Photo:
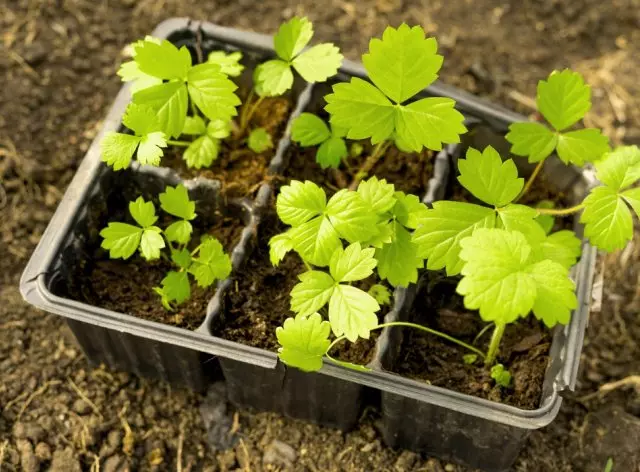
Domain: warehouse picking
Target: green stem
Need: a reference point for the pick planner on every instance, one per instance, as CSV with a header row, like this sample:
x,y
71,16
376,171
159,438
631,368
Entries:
x,y
481,333
369,163
532,177
306,264
494,345
178,143
252,110
561,211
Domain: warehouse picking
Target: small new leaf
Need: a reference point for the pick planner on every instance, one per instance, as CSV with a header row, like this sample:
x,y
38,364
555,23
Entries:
x,y
309,130
398,261
292,37
381,294
409,210
194,125
260,140
181,258
501,375
279,246
211,264
179,232
175,287
175,201
331,152
229,62
202,152
469,358
304,342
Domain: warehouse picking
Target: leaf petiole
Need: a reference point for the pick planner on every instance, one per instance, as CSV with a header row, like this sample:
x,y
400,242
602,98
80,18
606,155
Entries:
x,y
560,211
369,163
494,344
481,333
178,143
531,179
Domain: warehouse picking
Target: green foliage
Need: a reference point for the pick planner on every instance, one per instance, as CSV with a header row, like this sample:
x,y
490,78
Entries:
x,y
259,140
381,294
309,130
229,62
316,64
563,99
211,263
469,358
304,341
501,375
378,111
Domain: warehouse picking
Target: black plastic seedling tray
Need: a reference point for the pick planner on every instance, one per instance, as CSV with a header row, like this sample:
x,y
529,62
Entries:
x,y
470,430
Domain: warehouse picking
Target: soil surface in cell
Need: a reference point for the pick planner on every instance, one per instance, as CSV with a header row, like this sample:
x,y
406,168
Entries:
x,y
258,300
240,169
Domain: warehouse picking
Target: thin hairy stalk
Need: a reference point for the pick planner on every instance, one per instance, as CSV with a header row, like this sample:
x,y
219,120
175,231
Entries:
x,y
494,345
560,211
531,179
481,333
178,143
369,163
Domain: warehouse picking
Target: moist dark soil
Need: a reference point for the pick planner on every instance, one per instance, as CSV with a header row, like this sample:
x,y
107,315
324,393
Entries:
x,y
524,349
238,168
409,172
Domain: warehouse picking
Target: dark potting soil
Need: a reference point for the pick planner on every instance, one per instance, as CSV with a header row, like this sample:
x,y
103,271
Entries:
x,y
524,349
127,286
240,170
259,300
409,172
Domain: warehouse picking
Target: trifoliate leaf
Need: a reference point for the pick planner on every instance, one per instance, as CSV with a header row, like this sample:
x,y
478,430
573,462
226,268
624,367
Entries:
x,y
377,194
381,294
181,258
562,247
211,264
219,129
522,218
130,72
163,60
298,202
488,178
279,246
229,62
292,37
352,312
179,232
353,263
547,222
259,140
316,241
175,201
118,149
309,130
607,220
331,152
312,292
501,375
150,148
403,62
273,78
169,101
563,98
304,342
175,287
620,168
141,119
584,145
121,239
151,243
534,140
438,237
503,279
318,63
213,92
409,210
194,125
201,152
143,212
398,261
351,216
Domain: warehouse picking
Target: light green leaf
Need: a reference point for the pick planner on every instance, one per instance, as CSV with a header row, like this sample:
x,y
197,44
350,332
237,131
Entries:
x,y
201,152
522,218
331,152
117,149
279,246
179,232
501,375
166,303
141,119
292,37
121,239
316,241
309,130
169,101
352,312
632,197
298,202
620,168
353,263
584,145
194,125
163,60
555,293
351,216
213,92
562,247
175,201
143,212
384,236
273,78
381,294
398,261
409,210
175,287
318,63
438,237
229,62
469,358
181,258
430,123
151,243
312,292
547,222
259,140
219,129
377,194
488,178
534,140
403,62
607,220
211,264
150,148
304,342
563,98
130,72
350,365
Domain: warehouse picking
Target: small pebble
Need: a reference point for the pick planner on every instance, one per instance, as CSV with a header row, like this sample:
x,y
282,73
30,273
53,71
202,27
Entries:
x,y
43,451
81,407
28,459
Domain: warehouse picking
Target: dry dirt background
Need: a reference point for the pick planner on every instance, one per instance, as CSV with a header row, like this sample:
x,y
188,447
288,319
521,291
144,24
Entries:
x,y
57,63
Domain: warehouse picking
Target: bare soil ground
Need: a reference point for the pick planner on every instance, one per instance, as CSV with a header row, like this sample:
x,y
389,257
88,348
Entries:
x,y
57,62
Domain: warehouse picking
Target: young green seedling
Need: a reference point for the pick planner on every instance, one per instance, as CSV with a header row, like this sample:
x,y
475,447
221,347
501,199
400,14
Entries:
x,y
309,130
229,62
259,140
206,263
203,151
